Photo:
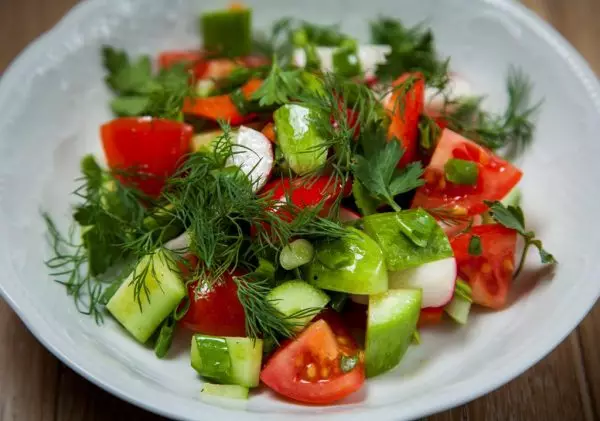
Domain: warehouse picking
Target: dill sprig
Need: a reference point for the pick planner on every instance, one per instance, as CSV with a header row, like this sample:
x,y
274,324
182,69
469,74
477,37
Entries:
x,y
510,132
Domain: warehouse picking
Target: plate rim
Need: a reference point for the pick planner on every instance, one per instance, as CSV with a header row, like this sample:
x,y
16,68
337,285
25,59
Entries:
x,y
478,385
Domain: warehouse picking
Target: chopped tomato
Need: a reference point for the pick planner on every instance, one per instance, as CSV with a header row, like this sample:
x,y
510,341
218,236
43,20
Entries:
x,y
221,107
195,61
307,193
215,309
311,368
430,316
489,274
215,108
269,132
250,87
150,148
406,106
495,179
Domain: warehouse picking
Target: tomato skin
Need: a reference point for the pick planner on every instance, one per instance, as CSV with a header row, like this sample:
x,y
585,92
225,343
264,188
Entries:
x,y
405,116
286,370
489,274
430,316
308,194
152,147
215,310
496,177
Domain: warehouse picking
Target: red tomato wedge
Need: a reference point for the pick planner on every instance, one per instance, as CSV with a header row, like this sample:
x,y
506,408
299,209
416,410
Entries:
x,y
215,309
405,107
152,148
309,368
496,177
489,274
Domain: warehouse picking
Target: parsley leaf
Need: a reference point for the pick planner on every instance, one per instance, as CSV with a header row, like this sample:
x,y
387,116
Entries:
x,y
139,92
512,217
379,176
279,86
412,49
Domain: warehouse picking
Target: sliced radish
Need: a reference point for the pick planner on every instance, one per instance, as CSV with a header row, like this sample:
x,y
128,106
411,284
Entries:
x,y
346,215
436,279
370,55
179,244
435,100
253,154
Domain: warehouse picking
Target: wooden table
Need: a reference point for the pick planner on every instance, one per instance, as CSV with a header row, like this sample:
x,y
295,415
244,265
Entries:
x,y
35,386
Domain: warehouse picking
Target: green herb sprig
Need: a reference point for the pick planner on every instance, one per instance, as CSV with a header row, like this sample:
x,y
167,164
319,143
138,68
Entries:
x,y
512,217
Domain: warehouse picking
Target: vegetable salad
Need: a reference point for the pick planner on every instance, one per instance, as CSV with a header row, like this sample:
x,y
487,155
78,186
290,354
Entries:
x,y
298,202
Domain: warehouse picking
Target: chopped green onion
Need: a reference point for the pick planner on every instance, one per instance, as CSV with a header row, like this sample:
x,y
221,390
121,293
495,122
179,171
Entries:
x,y
463,290
296,254
227,32
458,309
214,357
165,337
460,171
475,248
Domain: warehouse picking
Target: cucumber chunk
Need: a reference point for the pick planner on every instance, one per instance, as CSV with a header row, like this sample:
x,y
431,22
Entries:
x,y
299,139
293,297
232,391
391,324
353,264
142,313
229,360
408,238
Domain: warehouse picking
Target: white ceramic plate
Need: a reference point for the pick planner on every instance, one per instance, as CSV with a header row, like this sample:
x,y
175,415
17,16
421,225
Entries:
x,y
52,100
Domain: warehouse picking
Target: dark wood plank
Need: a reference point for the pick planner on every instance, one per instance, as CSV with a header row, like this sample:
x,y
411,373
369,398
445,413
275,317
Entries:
x,y
589,334
80,400
28,373
548,391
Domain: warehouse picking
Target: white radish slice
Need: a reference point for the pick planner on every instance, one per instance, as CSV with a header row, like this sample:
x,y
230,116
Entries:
x,y
369,55
435,99
435,279
253,154
179,244
346,215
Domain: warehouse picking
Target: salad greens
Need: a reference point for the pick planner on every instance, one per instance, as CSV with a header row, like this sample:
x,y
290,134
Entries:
x,y
266,190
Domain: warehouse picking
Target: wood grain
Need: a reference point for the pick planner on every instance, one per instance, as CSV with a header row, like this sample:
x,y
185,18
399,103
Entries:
x,y
34,386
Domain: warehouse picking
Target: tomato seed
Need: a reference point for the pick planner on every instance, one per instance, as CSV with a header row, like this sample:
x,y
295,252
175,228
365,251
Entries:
x,y
442,183
300,361
311,371
460,211
508,265
324,372
486,268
